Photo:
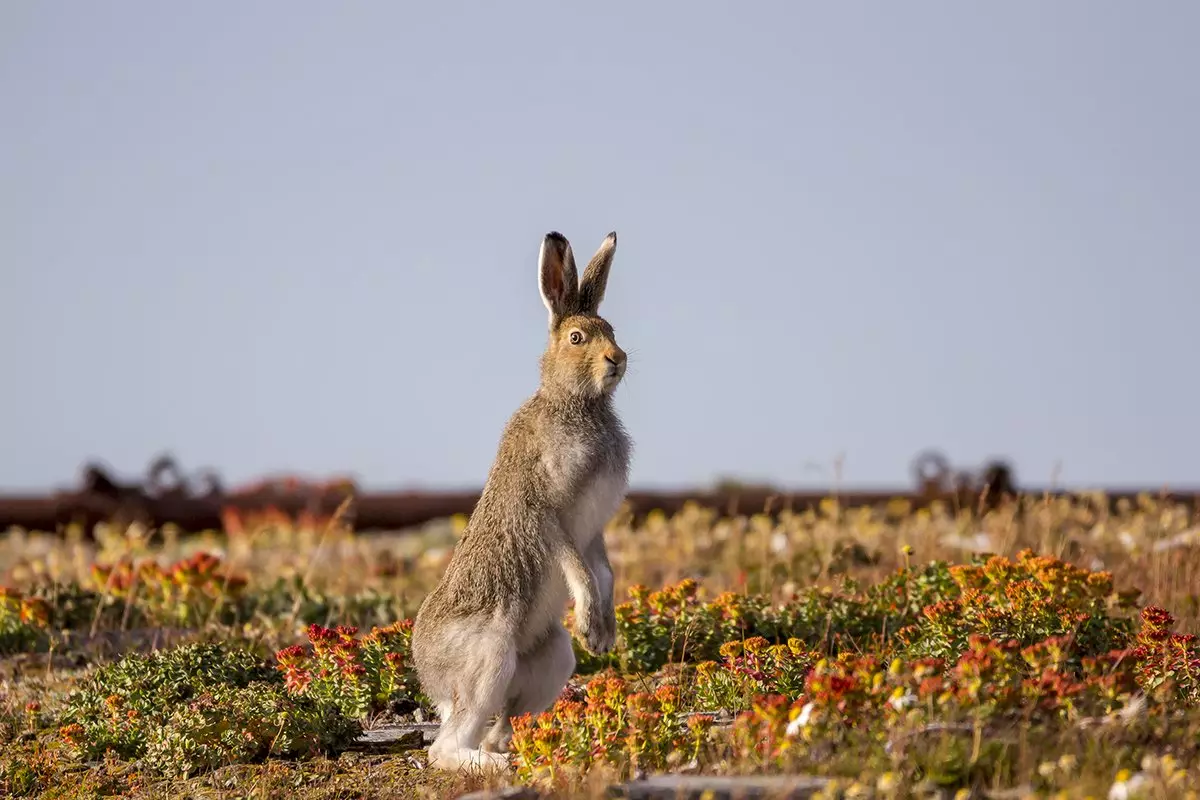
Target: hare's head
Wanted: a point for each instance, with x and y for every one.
(582, 358)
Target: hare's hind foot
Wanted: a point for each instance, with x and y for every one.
(457, 744)
(537, 681)
(459, 758)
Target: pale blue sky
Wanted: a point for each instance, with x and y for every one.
(298, 236)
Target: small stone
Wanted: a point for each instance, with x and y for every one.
(694, 787)
(401, 736)
(513, 793)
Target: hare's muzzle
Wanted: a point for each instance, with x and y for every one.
(614, 360)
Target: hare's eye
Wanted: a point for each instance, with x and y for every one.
(576, 337)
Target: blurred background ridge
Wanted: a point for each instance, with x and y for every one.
(200, 501)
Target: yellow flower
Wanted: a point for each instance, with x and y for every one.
(731, 649)
(856, 790)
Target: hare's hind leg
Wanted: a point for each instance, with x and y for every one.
(488, 661)
(539, 678)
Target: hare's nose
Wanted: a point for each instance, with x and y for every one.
(614, 358)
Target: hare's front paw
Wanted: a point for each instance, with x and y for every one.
(599, 632)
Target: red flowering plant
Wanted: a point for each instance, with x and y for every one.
(675, 625)
(656, 628)
(750, 668)
(24, 621)
(1000, 678)
(189, 591)
(853, 618)
(613, 725)
(1168, 663)
(1031, 636)
(853, 699)
(1029, 640)
(359, 675)
(1027, 600)
(764, 736)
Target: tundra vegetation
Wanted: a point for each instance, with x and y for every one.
(1044, 648)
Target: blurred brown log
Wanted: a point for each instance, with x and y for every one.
(167, 496)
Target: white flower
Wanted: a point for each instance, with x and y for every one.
(903, 701)
(801, 720)
(978, 542)
(779, 542)
(1127, 787)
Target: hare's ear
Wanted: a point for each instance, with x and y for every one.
(595, 277)
(557, 277)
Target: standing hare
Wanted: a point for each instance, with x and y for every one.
(489, 640)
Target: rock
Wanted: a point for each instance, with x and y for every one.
(414, 735)
(514, 793)
(709, 787)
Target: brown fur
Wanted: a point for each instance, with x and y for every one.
(489, 639)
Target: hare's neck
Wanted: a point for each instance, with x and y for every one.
(578, 407)
(591, 419)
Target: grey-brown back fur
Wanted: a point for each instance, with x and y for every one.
(489, 638)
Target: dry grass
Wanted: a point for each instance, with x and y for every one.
(1146, 546)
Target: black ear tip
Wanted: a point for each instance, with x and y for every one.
(613, 235)
(556, 237)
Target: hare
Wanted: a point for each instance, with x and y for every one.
(489, 639)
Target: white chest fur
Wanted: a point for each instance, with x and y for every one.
(597, 502)
(591, 495)
(583, 519)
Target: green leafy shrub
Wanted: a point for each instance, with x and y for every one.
(192, 707)
(25, 772)
(118, 706)
(1030, 640)
(795, 709)
(926, 612)
(1027, 600)
(229, 724)
(674, 625)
